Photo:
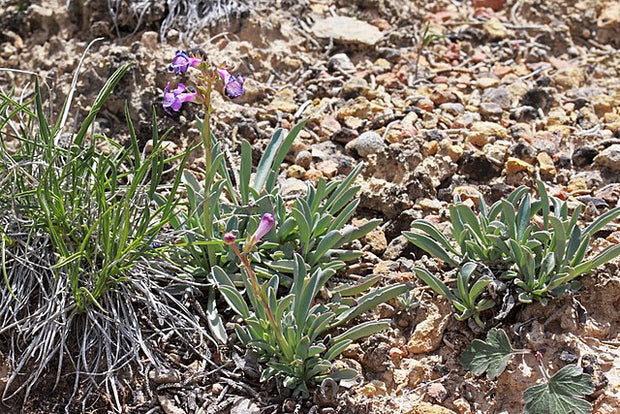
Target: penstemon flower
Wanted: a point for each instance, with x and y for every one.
(175, 98)
(182, 62)
(233, 85)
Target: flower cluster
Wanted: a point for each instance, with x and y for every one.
(206, 77)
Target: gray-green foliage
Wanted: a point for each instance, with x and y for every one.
(317, 227)
(301, 352)
(534, 244)
(561, 393)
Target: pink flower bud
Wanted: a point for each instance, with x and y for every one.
(229, 238)
(265, 225)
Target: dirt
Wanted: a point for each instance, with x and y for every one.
(505, 82)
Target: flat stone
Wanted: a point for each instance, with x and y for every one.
(515, 165)
(482, 132)
(284, 100)
(354, 87)
(495, 29)
(609, 158)
(340, 61)
(547, 167)
(347, 30)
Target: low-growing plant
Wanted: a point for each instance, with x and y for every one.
(468, 297)
(289, 332)
(316, 227)
(535, 245)
(560, 393)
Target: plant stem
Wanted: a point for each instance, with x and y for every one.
(260, 294)
(206, 141)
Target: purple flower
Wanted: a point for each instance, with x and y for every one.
(265, 225)
(229, 238)
(233, 86)
(176, 98)
(182, 61)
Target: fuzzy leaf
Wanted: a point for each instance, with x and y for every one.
(563, 393)
(491, 356)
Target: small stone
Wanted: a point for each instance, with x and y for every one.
(244, 406)
(577, 185)
(284, 100)
(455, 152)
(569, 78)
(475, 165)
(313, 175)
(295, 171)
(293, 187)
(425, 104)
(487, 82)
(547, 167)
(368, 143)
(427, 408)
(491, 110)
(345, 135)
(495, 29)
(347, 30)
(482, 132)
(515, 165)
(168, 405)
(328, 168)
(150, 39)
(382, 64)
(609, 158)
(373, 388)
(428, 334)
(431, 148)
(354, 87)
(453, 108)
(462, 406)
(303, 159)
(467, 192)
(328, 126)
(437, 391)
(427, 204)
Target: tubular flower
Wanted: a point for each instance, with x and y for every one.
(176, 98)
(229, 238)
(265, 225)
(233, 85)
(182, 61)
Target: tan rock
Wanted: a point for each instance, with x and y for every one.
(515, 165)
(428, 334)
(577, 185)
(431, 148)
(569, 78)
(487, 82)
(373, 388)
(495, 29)
(483, 132)
(284, 100)
(462, 406)
(466, 192)
(344, 29)
(547, 167)
(428, 408)
(295, 171)
(428, 204)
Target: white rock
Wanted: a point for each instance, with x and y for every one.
(347, 30)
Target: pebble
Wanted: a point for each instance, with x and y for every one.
(354, 87)
(345, 135)
(547, 167)
(428, 334)
(453, 108)
(515, 165)
(295, 171)
(495, 29)
(487, 82)
(491, 111)
(284, 100)
(328, 168)
(367, 143)
(293, 187)
(303, 159)
(482, 132)
(609, 158)
(340, 61)
(476, 166)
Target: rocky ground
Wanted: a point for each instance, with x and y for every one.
(507, 92)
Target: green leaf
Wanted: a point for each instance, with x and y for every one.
(606, 256)
(437, 285)
(600, 222)
(363, 329)
(562, 393)
(431, 247)
(246, 171)
(491, 356)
